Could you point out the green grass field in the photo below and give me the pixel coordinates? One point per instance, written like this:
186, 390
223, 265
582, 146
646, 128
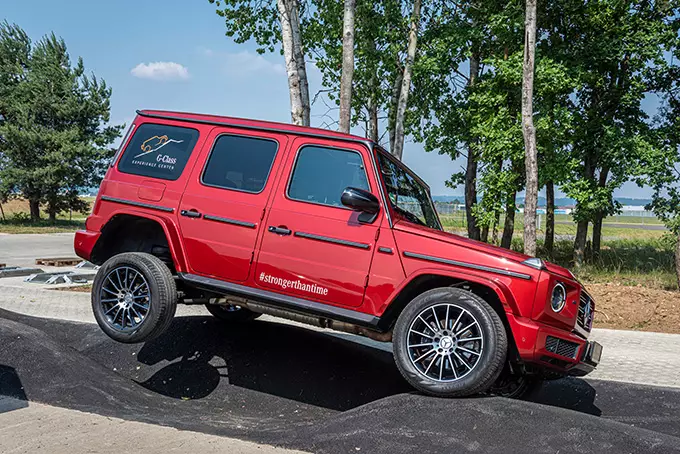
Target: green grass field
17, 219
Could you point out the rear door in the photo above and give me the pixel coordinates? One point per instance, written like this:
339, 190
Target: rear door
224, 203
314, 247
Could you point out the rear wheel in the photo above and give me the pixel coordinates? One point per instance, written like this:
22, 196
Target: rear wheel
449, 342
231, 313
134, 297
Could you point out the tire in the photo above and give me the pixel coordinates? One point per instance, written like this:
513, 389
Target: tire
515, 386
123, 310
456, 372
231, 313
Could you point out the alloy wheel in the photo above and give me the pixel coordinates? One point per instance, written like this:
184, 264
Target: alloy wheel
445, 342
125, 298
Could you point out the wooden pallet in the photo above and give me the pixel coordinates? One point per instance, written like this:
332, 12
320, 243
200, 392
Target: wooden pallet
59, 261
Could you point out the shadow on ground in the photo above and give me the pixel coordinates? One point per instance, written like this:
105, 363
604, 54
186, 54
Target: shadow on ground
281, 384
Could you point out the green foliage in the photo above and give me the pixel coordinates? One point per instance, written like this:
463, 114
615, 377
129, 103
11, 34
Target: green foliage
249, 19
54, 137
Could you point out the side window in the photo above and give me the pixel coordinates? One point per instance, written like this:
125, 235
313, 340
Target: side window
240, 163
158, 151
321, 174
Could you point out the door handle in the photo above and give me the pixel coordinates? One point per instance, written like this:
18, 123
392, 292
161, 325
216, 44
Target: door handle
280, 230
190, 213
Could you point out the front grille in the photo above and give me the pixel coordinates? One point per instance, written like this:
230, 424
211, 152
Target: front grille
561, 347
586, 310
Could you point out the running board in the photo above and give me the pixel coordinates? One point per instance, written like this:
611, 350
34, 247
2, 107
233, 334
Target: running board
299, 305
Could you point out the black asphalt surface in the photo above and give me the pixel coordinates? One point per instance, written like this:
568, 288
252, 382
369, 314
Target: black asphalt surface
283, 385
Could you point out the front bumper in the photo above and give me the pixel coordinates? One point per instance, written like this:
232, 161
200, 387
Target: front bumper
545, 346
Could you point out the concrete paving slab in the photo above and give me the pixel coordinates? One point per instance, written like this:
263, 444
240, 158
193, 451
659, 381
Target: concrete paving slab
37, 428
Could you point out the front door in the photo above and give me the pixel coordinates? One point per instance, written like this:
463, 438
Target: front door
314, 247
223, 205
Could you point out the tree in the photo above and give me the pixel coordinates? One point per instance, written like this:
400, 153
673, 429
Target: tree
250, 19
609, 47
54, 137
531, 159
347, 66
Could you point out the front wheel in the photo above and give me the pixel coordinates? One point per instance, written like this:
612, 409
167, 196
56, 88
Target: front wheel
134, 297
449, 342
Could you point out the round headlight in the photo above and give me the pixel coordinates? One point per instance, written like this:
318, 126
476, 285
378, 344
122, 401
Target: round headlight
558, 298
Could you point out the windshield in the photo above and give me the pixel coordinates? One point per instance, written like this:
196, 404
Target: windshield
408, 196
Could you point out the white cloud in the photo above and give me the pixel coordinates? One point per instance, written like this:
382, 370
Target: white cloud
243, 63
160, 70
246, 62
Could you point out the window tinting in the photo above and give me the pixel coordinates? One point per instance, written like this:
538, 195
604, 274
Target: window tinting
321, 174
240, 163
158, 151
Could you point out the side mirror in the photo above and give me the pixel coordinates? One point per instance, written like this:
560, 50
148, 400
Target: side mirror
363, 201
360, 200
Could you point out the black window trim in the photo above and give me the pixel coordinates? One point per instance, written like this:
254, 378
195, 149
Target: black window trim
132, 136
331, 147
231, 134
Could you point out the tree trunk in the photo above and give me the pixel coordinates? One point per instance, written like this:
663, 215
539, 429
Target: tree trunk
550, 217
394, 101
494, 229
471, 195
677, 260
398, 150
580, 243
298, 86
372, 108
509, 226
347, 66
597, 234
2, 213
34, 206
531, 158
471, 171
52, 216
484, 236
599, 217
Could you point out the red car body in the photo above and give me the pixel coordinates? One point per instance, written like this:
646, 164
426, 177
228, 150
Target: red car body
223, 237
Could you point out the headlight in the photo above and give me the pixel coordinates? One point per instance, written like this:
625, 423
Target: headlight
558, 298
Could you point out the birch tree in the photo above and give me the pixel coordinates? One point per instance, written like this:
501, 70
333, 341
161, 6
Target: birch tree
398, 149
347, 66
273, 26
531, 155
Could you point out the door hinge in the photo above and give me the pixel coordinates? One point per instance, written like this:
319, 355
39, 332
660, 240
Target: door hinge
366, 281
252, 257
377, 234
263, 212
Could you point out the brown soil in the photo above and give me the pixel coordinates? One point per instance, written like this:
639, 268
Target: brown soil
636, 308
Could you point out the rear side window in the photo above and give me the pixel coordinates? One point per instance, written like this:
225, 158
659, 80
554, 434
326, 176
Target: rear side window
321, 174
158, 151
240, 163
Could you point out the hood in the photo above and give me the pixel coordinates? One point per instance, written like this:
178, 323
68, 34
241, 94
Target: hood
480, 246
452, 238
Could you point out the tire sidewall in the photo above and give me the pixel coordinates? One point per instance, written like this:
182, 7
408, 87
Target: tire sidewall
142, 264
486, 369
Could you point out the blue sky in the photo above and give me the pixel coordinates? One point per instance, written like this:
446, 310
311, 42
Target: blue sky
173, 54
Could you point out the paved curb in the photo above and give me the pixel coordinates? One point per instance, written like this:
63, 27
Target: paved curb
629, 356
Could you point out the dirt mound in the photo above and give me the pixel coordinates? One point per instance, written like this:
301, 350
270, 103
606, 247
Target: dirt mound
636, 308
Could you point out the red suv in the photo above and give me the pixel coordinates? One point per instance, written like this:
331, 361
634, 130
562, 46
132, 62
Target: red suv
251, 217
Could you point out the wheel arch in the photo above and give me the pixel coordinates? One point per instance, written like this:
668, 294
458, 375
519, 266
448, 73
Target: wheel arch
139, 232
497, 297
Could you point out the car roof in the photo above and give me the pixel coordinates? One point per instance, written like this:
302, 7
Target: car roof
250, 124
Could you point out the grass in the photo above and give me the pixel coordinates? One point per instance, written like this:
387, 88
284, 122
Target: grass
17, 219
